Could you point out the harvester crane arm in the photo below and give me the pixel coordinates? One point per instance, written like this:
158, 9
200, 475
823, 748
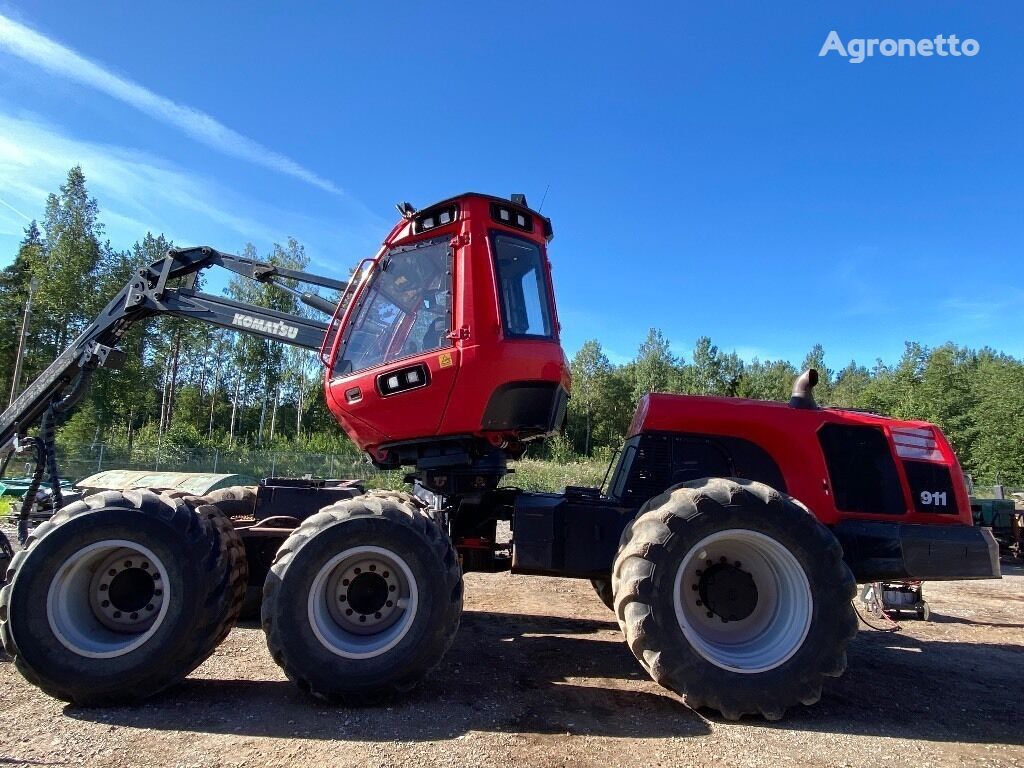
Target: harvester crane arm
151, 291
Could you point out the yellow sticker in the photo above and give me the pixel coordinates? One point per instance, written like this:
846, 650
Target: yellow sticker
445, 360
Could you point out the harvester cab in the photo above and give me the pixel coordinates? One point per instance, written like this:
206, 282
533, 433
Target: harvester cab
445, 349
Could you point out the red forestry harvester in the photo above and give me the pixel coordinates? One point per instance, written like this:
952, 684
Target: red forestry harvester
728, 540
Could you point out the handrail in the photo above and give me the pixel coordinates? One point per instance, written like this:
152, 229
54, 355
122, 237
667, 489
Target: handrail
330, 342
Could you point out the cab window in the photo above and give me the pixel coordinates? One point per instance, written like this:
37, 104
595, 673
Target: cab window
405, 310
522, 288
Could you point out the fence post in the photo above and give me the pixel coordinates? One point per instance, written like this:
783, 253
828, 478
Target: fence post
216, 456
99, 462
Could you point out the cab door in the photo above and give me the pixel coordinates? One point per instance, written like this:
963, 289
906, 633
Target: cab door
396, 361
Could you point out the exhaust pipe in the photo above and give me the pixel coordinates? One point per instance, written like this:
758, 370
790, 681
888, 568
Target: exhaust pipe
803, 390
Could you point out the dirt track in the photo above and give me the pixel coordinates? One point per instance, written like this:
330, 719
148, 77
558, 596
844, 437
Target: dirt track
539, 677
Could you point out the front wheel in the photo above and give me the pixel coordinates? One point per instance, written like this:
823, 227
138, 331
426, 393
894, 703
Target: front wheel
115, 598
363, 599
732, 595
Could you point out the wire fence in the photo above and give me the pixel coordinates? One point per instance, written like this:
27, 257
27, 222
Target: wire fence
78, 462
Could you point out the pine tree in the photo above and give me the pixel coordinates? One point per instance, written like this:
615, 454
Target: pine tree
655, 365
14, 290
68, 270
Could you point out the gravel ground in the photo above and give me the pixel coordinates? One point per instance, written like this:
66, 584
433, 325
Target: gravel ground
539, 677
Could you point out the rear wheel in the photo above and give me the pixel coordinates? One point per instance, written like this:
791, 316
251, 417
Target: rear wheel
237, 504
115, 598
733, 596
363, 600
221, 508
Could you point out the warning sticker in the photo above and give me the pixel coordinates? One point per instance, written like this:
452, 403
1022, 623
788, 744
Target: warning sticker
445, 360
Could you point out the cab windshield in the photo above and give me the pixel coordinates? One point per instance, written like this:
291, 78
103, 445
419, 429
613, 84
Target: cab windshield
405, 310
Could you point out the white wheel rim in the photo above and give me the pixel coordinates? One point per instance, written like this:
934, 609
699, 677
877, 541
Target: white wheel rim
774, 629
363, 602
100, 604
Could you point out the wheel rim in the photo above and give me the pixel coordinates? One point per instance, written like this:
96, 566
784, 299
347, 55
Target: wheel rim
363, 602
743, 601
108, 599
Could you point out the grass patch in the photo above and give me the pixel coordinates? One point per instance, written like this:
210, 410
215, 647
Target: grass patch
551, 476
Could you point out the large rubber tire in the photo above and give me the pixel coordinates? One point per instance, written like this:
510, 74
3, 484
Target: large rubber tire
347, 667
231, 551
220, 507
766, 661
239, 502
49, 622
6, 555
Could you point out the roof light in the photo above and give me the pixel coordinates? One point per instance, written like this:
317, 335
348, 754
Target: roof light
512, 218
436, 217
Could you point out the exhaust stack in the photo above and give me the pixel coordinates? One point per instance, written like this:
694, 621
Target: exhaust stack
803, 390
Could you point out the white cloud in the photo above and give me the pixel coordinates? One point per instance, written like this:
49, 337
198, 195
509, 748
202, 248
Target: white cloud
10, 207
138, 193
993, 310
59, 60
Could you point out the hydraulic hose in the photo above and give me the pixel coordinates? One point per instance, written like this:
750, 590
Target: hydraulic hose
46, 453
29, 499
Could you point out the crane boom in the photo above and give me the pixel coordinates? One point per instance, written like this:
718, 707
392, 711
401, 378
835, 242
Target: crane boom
151, 292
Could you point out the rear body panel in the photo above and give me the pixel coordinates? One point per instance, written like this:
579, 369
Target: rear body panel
794, 439
892, 491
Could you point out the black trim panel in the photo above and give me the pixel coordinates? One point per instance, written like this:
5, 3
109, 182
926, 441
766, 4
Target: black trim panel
525, 406
883, 551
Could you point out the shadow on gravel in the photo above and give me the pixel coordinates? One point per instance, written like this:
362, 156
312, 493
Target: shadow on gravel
505, 673
900, 686
546, 675
940, 619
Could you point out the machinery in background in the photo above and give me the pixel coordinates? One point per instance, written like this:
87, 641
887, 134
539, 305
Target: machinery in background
1005, 517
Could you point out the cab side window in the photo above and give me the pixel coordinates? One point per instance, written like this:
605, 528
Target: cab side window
522, 288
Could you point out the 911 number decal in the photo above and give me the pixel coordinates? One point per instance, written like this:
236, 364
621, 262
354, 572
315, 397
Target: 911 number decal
933, 498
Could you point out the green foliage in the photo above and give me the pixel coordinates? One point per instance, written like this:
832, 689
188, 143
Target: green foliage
14, 291
551, 476
655, 368
70, 261
767, 381
590, 370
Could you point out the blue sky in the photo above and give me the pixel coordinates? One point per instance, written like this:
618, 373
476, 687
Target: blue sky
707, 171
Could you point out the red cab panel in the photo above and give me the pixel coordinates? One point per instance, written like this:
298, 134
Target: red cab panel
452, 332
